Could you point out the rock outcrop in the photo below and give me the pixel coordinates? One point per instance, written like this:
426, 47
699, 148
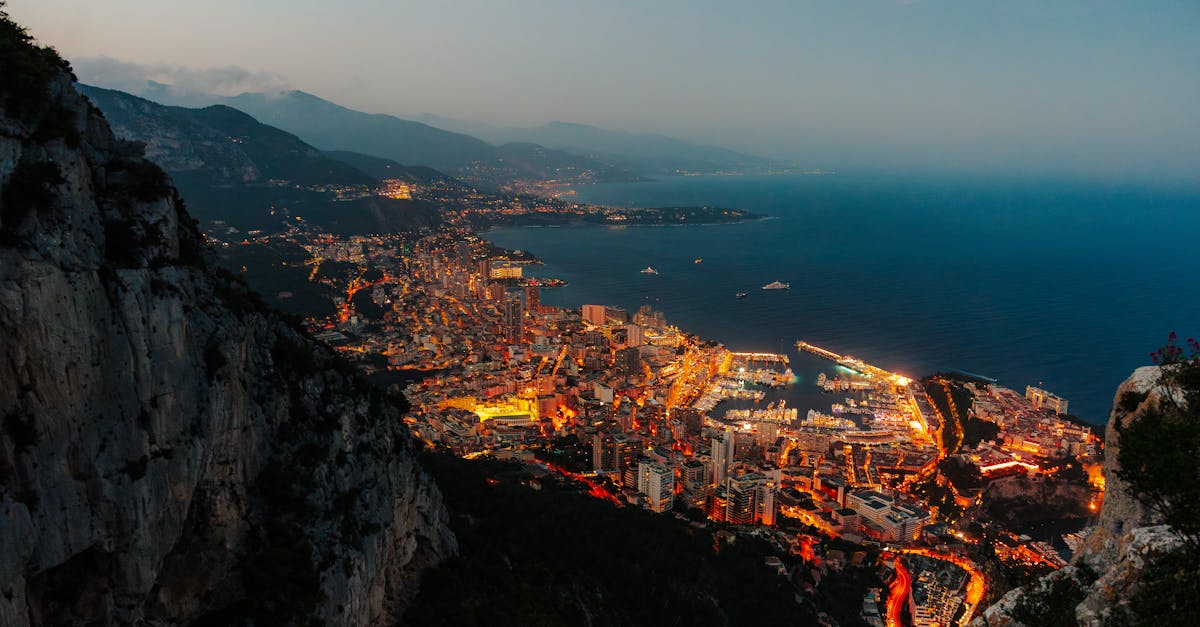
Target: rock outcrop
170, 449
1126, 539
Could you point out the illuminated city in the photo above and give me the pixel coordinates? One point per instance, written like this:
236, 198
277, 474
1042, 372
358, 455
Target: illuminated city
617, 313
634, 410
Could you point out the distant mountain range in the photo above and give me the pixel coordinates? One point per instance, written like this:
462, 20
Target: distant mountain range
645, 153
480, 154
219, 143
334, 127
233, 168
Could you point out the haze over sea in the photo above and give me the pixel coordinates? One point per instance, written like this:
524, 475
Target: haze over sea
1068, 284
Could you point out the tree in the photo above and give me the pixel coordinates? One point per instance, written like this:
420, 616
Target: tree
1160, 460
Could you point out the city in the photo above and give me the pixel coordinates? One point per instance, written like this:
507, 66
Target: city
630, 407
610, 313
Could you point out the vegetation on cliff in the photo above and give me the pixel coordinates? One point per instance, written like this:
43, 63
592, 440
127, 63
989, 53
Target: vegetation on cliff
1160, 461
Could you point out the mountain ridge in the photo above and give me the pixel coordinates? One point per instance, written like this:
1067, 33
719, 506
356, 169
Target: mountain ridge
331, 126
237, 170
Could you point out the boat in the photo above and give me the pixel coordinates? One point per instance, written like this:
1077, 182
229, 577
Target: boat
740, 295
698, 260
649, 270
777, 285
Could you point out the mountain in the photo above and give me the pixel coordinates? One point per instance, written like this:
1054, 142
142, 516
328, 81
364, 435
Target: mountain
383, 169
234, 169
171, 450
644, 153
224, 144
334, 127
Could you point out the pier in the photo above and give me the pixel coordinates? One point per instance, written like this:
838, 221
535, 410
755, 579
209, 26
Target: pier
852, 363
769, 358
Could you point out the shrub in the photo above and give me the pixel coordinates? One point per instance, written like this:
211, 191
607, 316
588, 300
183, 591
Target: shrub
29, 191
1158, 460
27, 70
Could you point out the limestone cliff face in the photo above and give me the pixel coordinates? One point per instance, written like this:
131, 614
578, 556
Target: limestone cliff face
1126, 537
170, 450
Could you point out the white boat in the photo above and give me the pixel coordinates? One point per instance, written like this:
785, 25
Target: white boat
777, 285
649, 270
698, 260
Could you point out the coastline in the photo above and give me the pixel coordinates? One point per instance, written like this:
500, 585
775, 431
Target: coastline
831, 241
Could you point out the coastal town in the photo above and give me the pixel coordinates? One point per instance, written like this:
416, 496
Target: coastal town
641, 414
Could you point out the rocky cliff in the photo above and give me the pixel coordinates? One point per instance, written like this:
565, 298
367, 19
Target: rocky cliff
1126, 539
171, 451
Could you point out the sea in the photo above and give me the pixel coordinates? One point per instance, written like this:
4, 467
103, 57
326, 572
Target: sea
1064, 285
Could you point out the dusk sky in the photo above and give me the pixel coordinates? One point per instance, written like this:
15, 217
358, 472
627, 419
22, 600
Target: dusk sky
1093, 88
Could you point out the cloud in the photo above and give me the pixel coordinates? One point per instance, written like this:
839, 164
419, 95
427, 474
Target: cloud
179, 84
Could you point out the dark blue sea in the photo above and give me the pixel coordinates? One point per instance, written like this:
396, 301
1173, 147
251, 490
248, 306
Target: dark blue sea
1070, 285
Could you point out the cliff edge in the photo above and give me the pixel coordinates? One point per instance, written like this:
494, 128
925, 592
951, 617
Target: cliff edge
1127, 539
171, 450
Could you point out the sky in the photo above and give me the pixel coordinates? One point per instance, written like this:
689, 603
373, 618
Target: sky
1099, 89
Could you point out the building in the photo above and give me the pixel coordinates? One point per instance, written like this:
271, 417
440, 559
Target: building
722, 454
634, 335
602, 452
750, 499
1043, 399
616, 315
628, 362
625, 451
741, 499
692, 476
647, 317
880, 516
656, 482
514, 320
506, 271
594, 314
533, 298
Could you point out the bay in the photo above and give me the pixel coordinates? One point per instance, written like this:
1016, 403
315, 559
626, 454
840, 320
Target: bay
1065, 284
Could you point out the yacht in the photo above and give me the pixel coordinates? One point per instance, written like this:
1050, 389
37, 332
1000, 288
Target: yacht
698, 261
776, 285
649, 270
741, 295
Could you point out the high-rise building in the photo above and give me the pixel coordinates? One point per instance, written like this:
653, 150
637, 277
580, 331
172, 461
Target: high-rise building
625, 451
647, 317
750, 499
495, 291
722, 454
657, 483
742, 505
533, 298
514, 320
594, 314
692, 476
602, 452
